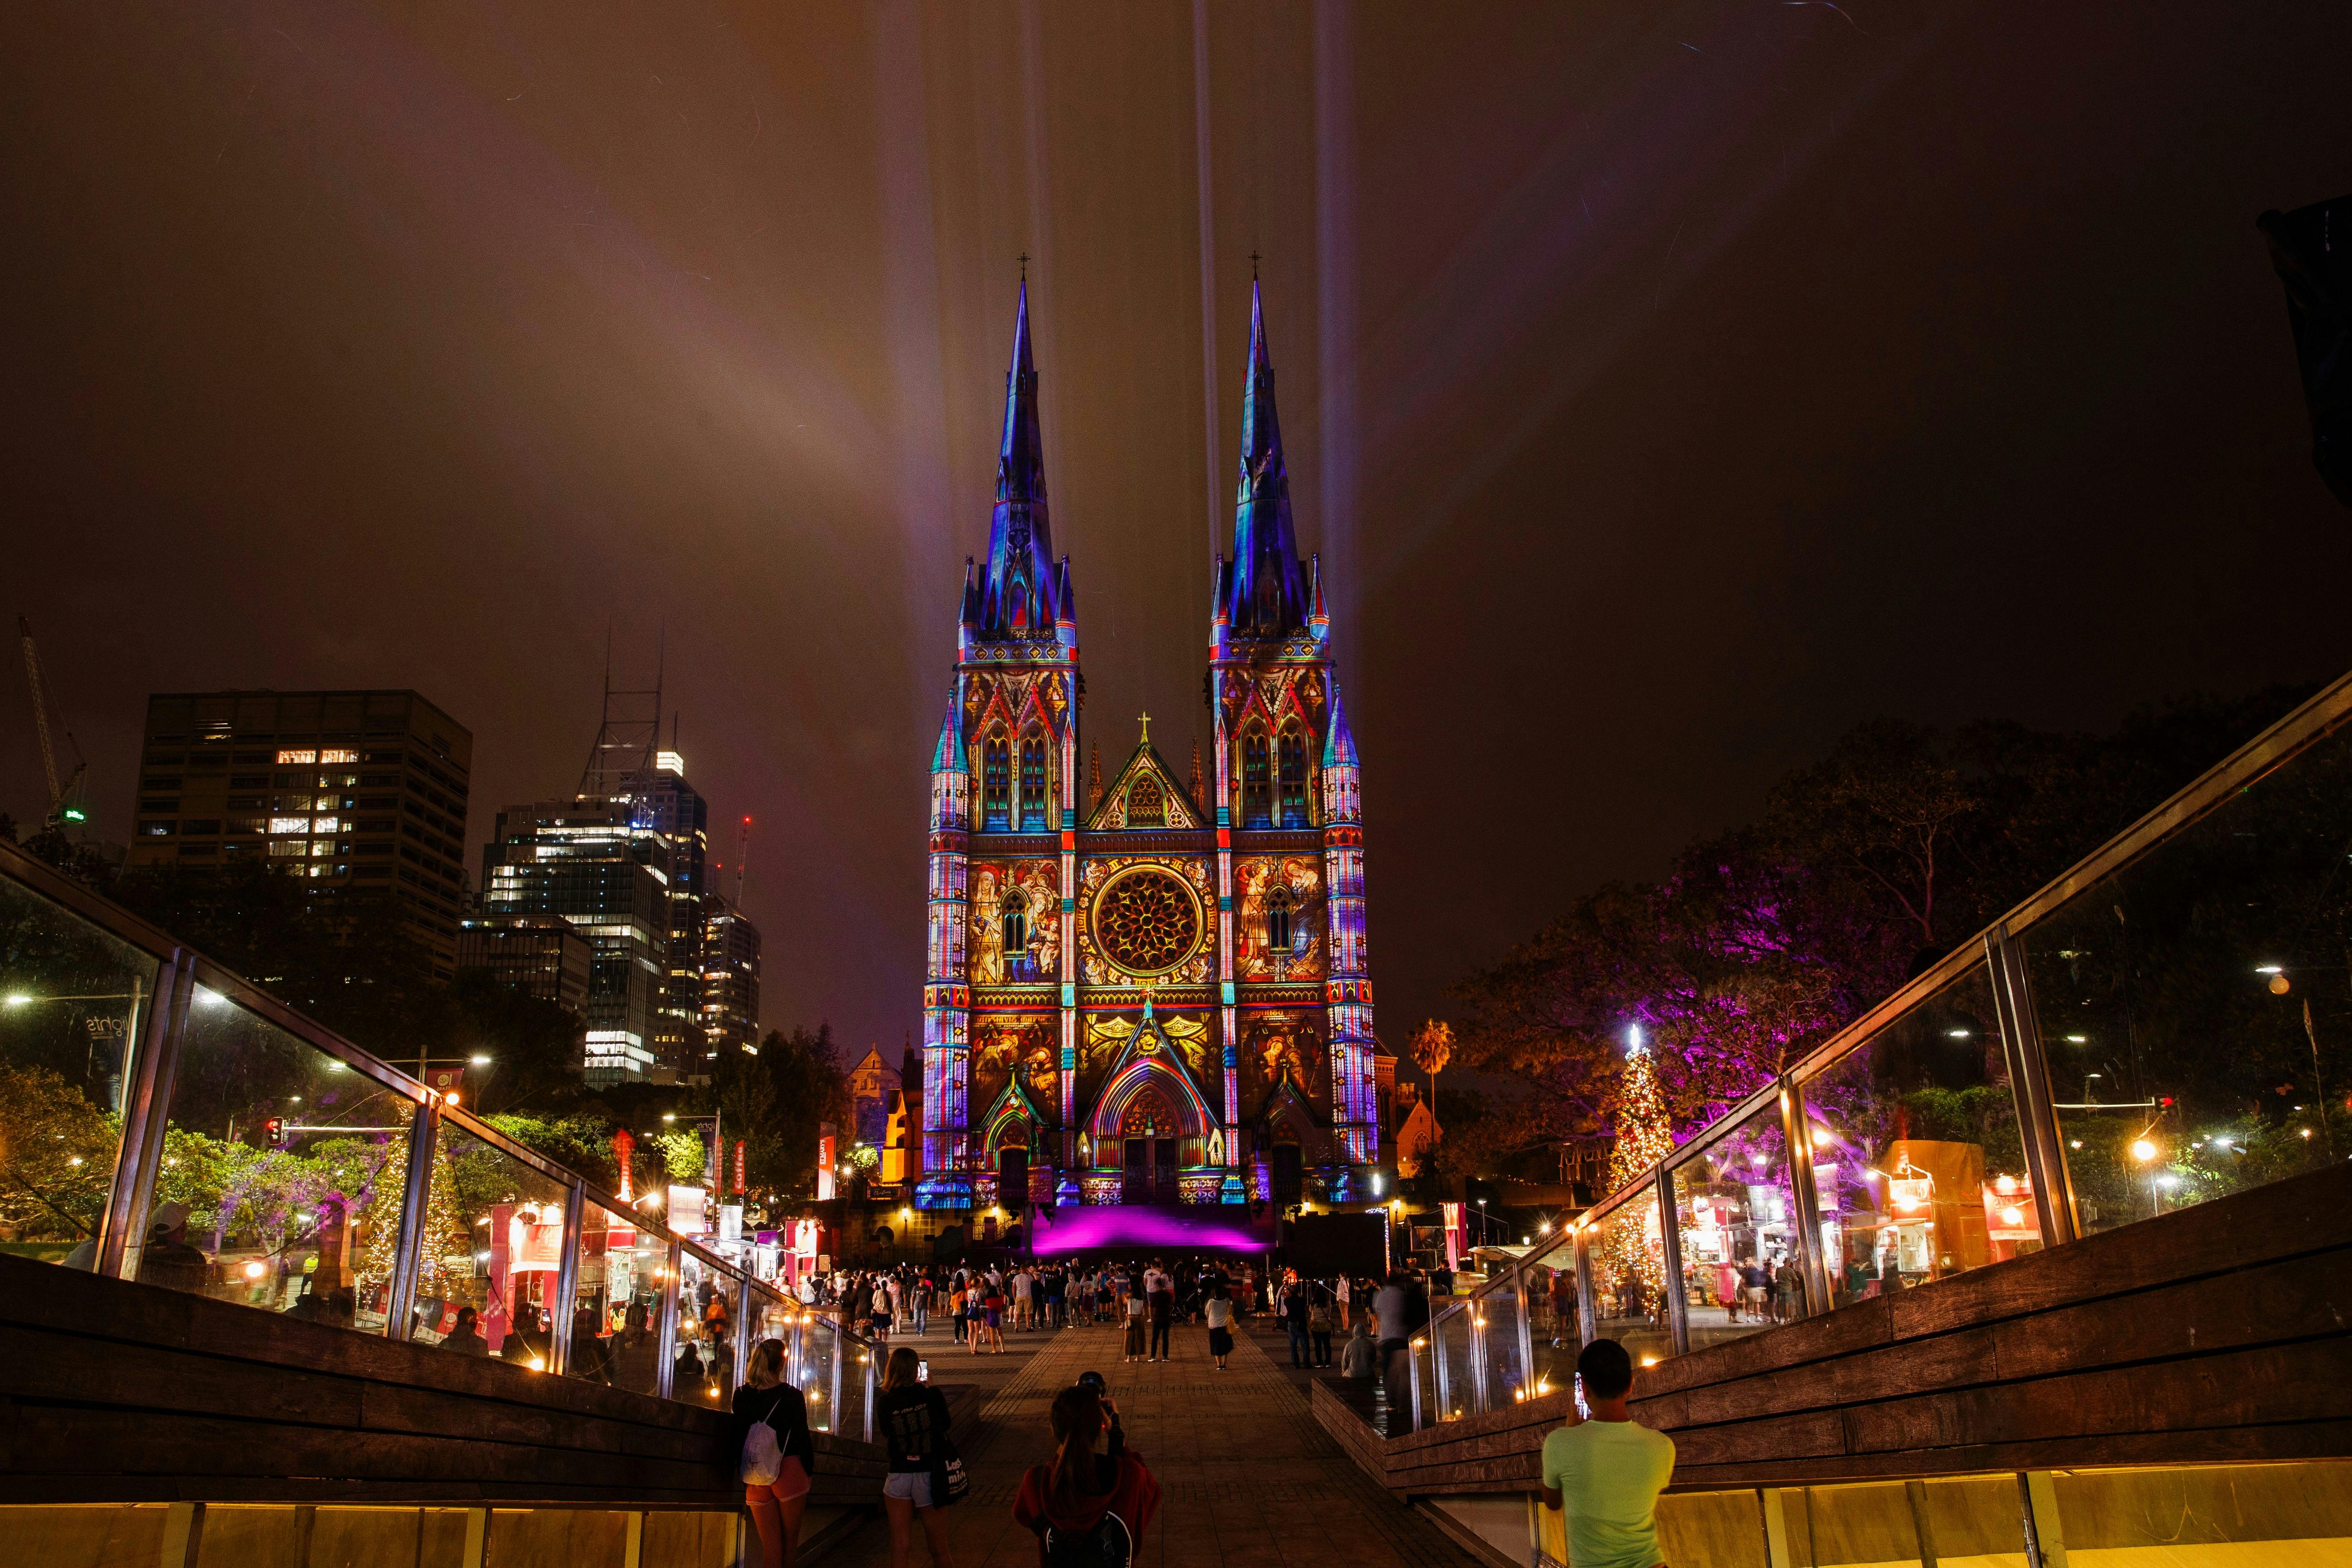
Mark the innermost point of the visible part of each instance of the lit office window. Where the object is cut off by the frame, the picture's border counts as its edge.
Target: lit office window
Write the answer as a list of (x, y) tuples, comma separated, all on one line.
[(290, 824), (288, 759)]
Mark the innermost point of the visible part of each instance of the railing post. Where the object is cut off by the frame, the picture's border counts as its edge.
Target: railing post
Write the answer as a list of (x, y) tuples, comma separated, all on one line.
[(1438, 1373), (2029, 1077), (668, 1336), (1797, 1137), (1481, 1399), (1526, 1333), (2045, 1534), (873, 1380), (146, 1113), (567, 1281), (833, 1395), (1671, 1235), (1412, 1371), (416, 1196), (1588, 1323)]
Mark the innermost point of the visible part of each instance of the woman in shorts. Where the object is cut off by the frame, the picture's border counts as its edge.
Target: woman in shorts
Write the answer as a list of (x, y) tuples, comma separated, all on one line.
[(767, 1399), (911, 1420)]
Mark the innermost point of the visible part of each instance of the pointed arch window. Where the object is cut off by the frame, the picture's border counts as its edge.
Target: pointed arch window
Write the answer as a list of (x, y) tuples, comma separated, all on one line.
[(996, 784), (1147, 803), (1277, 921), (1014, 909), (1293, 759), (1035, 811), (1257, 782)]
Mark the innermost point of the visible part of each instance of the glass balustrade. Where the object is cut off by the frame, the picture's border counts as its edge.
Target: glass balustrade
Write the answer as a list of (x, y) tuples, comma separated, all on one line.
[(1625, 1249), (1919, 1166), (281, 1176), (493, 1243), (618, 1292), (1547, 1296), (1735, 1218), (2196, 1005), (74, 1006)]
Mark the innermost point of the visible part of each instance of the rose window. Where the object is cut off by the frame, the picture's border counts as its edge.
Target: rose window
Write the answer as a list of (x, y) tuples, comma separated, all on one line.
[(1146, 921)]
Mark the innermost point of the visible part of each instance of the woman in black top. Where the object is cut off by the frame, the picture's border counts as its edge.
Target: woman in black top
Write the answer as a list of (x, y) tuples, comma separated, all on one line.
[(911, 1420), (766, 1399)]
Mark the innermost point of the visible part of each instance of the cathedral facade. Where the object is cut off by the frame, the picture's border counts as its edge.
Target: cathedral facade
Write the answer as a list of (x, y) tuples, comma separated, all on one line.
[(1148, 987)]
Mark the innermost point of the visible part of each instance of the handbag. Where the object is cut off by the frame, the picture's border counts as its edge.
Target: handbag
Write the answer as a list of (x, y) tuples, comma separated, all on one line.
[(763, 1457), (949, 1484)]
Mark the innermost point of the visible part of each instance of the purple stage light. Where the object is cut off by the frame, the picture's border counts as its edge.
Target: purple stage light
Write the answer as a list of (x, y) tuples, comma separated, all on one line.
[(1095, 1227)]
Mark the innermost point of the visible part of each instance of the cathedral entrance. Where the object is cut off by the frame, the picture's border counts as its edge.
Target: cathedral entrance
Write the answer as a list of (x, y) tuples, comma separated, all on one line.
[(1012, 1177), (1289, 1173), (1135, 1171)]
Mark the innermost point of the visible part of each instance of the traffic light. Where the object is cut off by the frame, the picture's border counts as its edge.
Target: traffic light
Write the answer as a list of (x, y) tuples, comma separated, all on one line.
[(274, 1129)]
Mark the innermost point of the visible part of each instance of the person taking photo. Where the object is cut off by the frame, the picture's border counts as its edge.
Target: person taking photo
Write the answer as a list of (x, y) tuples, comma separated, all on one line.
[(1605, 1471)]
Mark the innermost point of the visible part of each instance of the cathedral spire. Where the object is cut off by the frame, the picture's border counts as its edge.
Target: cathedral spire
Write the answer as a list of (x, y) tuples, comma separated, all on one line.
[(1018, 590), (1264, 589)]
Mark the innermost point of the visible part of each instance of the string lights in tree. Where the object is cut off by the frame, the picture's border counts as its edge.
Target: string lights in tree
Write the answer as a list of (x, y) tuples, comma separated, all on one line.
[(1644, 1136), (445, 1228)]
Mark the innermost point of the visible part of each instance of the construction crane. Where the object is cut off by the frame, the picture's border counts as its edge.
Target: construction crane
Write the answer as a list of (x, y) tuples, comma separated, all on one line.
[(68, 803), (742, 859)]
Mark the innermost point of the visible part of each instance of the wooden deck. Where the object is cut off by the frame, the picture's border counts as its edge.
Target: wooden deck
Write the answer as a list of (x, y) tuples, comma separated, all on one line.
[(2219, 1334)]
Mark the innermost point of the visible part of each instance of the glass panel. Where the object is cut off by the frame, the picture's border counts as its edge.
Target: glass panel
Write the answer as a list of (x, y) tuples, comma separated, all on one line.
[(1628, 1272), (1419, 1386), (1499, 1309), (1916, 1156), (1452, 1333), (2194, 1007), (694, 1372), (720, 1294), (1549, 1298), (823, 1343), (73, 1003), (857, 1367), (617, 1321), (499, 1255), (1735, 1214), (281, 1176)]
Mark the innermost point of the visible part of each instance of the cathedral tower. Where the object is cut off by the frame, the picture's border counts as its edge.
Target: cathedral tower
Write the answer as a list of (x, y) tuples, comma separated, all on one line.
[(1163, 1000)]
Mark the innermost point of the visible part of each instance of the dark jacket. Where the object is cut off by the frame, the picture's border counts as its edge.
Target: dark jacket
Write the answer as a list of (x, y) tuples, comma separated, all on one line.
[(782, 1408), (911, 1422)]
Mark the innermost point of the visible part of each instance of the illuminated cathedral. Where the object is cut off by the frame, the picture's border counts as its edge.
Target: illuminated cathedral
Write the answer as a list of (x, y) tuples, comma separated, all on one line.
[(1147, 987)]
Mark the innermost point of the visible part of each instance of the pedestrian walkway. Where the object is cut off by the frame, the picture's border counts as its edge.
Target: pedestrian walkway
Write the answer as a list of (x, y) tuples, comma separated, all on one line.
[(1248, 1480)]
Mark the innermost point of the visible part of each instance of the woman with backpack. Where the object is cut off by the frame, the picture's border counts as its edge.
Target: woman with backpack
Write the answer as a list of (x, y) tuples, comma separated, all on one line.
[(766, 1401), (1318, 1322), (1088, 1509), (911, 1420)]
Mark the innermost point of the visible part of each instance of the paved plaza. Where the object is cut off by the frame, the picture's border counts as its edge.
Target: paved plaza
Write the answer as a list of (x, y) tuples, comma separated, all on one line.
[(1247, 1478)]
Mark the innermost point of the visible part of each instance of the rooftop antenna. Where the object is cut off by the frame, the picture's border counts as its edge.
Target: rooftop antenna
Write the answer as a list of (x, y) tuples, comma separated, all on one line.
[(628, 733)]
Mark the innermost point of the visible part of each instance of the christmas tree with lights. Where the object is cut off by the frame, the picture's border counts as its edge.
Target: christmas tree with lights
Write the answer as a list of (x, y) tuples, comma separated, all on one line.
[(444, 1228), (1644, 1136)]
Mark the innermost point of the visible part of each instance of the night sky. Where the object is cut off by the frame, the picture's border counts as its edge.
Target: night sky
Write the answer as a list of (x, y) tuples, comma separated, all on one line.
[(1668, 386)]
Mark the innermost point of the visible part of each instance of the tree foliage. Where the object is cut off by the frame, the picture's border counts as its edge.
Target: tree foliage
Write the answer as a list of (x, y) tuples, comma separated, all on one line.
[(1761, 941)]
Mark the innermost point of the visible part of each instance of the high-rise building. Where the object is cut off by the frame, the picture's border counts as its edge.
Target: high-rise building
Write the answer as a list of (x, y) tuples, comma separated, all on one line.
[(599, 863), (352, 791), (677, 811), (731, 978), (540, 955), (1157, 990)]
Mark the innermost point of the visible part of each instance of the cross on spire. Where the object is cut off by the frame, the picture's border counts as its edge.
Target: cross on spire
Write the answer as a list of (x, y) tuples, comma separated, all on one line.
[(1147, 726), (1024, 267), (1254, 259)]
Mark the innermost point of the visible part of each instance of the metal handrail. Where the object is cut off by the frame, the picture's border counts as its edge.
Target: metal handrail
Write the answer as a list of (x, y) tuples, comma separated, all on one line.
[(2280, 744), (211, 976)]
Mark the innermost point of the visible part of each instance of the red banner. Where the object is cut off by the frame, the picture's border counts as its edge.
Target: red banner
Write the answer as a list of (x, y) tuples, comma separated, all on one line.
[(738, 1167)]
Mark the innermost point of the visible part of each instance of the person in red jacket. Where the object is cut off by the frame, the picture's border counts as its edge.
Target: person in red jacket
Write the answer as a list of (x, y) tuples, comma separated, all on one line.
[(1088, 1509)]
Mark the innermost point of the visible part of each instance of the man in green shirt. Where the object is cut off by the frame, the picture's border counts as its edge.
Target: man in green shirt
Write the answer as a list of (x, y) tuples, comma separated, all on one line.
[(1607, 1472)]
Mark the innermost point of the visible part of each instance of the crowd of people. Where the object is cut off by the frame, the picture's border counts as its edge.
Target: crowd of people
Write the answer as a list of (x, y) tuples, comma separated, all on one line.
[(1148, 1299), (1089, 1506)]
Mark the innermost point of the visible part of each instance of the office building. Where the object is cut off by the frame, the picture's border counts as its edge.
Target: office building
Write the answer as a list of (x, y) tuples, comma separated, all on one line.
[(541, 955), (598, 863), (731, 978), (356, 792), (677, 811)]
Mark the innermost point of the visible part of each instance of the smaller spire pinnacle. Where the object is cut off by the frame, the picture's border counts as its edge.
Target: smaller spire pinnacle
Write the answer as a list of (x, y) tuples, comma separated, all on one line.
[(1093, 776), (1200, 800)]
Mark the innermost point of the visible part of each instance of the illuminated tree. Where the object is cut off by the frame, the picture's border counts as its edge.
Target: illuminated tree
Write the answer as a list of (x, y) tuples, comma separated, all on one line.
[(1645, 1135), (445, 1228), (56, 1155)]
